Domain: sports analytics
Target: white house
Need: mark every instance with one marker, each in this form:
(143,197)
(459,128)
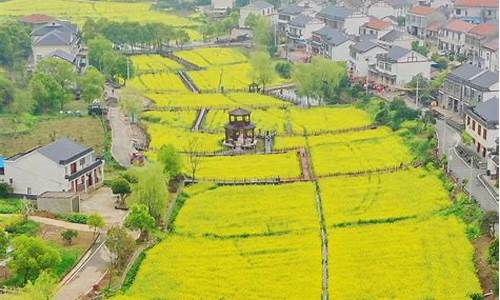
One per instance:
(61,166)
(376,27)
(452,36)
(398,66)
(488,55)
(222,4)
(353,23)
(476,38)
(60,36)
(300,30)
(335,16)
(396,38)
(467,86)
(419,17)
(476,11)
(362,55)
(287,14)
(258,8)
(331,43)
(481,123)
(386,8)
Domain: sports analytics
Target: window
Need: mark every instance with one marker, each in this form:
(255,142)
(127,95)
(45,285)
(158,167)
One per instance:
(473,125)
(73,167)
(458,11)
(479,129)
(468,120)
(28,191)
(82,161)
(11,181)
(490,12)
(484,133)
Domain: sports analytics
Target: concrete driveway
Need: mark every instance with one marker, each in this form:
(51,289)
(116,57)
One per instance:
(101,201)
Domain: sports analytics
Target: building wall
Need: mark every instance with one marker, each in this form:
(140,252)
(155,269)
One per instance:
(222,4)
(381,9)
(58,205)
(407,70)
(36,172)
(472,127)
(452,41)
(486,13)
(245,12)
(363,60)
(341,52)
(353,23)
(39,52)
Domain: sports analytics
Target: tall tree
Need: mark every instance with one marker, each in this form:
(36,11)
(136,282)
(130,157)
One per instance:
(91,84)
(262,68)
(151,190)
(171,160)
(98,46)
(96,221)
(120,244)
(43,288)
(140,219)
(7,92)
(15,45)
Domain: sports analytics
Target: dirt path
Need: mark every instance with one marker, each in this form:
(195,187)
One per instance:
(59,223)
(305,165)
(121,145)
(485,272)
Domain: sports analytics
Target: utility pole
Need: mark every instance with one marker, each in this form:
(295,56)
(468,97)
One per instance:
(416,94)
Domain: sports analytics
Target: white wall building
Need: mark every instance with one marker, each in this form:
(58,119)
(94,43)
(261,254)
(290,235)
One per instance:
(331,43)
(477,11)
(60,166)
(353,23)
(55,37)
(452,36)
(222,4)
(385,8)
(375,27)
(258,8)
(481,123)
(396,38)
(300,30)
(488,55)
(362,55)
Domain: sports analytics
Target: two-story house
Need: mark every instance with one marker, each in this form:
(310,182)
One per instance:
(475,38)
(488,55)
(61,166)
(362,55)
(287,14)
(258,8)
(466,86)
(386,8)
(476,11)
(331,43)
(398,66)
(376,27)
(300,30)
(61,36)
(335,16)
(481,123)
(221,6)
(452,36)
(396,38)
(419,17)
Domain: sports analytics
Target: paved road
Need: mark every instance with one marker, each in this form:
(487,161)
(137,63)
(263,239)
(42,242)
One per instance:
(448,138)
(121,137)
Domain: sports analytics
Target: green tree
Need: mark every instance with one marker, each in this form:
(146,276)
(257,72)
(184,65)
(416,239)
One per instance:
(424,88)
(15,46)
(43,288)
(31,256)
(121,187)
(262,68)
(120,244)
(151,190)
(263,34)
(23,103)
(68,235)
(96,221)
(284,69)
(140,219)
(7,92)
(98,46)
(422,49)
(131,103)
(4,243)
(92,84)
(171,160)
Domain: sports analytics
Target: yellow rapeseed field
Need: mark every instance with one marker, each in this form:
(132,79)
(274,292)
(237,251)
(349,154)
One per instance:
(266,267)
(258,166)
(154,64)
(411,260)
(160,82)
(359,155)
(184,118)
(381,196)
(204,57)
(161,134)
(225,211)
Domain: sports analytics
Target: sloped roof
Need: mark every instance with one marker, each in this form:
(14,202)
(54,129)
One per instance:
(301,20)
(377,24)
(492,45)
(332,36)
(364,46)
(63,150)
(62,26)
(259,5)
(239,112)
(397,52)
(336,12)
(466,71)
(421,10)
(485,80)
(292,9)
(458,25)
(477,3)
(36,19)
(484,30)
(63,55)
(53,38)
(488,110)
(391,36)
(435,26)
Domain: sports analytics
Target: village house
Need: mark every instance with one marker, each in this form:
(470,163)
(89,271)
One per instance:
(221,7)
(35,20)
(300,30)
(488,55)
(334,16)
(398,66)
(475,38)
(386,8)
(258,8)
(362,55)
(466,86)
(396,38)
(492,162)
(376,27)
(476,11)
(61,166)
(452,36)
(54,38)
(287,14)
(481,123)
(331,43)
(418,18)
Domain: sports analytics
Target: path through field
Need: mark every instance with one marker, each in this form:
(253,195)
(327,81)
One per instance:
(121,145)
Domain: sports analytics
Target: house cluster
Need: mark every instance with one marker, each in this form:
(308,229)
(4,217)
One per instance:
(57,173)
(54,38)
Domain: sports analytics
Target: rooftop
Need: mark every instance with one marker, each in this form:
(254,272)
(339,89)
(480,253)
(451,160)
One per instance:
(259,4)
(391,36)
(492,45)
(239,112)
(465,71)
(485,79)
(336,12)
(364,46)
(483,30)
(477,3)
(458,25)
(488,110)
(292,9)
(301,20)
(397,52)
(36,19)
(62,55)
(63,150)
(332,36)
(421,10)
(377,24)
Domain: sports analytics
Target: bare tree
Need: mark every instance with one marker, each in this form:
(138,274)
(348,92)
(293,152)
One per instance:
(193,159)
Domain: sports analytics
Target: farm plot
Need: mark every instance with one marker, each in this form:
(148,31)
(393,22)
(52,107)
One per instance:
(204,57)
(161,82)
(181,138)
(381,196)
(184,118)
(154,64)
(240,167)
(359,156)
(329,118)
(257,209)
(413,260)
(266,267)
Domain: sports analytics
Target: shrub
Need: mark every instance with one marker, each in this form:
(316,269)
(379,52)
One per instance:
(5,189)
(68,235)
(493,253)
(20,226)
(284,69)
(73,218)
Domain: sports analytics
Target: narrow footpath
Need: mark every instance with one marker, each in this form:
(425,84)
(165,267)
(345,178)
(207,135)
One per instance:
(121,145)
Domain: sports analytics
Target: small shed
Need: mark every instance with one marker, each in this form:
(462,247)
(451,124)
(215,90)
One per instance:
(240,131)
(58,202)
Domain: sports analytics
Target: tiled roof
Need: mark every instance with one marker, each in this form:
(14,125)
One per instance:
(391,36)
(435,26)
(364,46)
(36,19)
(484,30)
(377,24)
(53,38)
(421,10)
(396,52)
(336,12)
(63,55)
(465,71)
(332,36)
(488,110)
(300,20)
(477,3)
(458,25)
(485,79)
(259,5)
(292,9)
(63,150)
(492,45)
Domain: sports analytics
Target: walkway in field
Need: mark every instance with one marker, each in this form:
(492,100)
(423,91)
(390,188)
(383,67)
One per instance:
(121,145)
(202,113)
(305,164)
(188,82)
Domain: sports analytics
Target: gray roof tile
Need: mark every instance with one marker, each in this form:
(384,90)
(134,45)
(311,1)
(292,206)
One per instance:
(397,52)
(364,46)
(336,12)
(466,71)
(63,150)
(486,79)
(260,5)
(300,20)
(332,36)
(488,110)
(391,36)
(292,9)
